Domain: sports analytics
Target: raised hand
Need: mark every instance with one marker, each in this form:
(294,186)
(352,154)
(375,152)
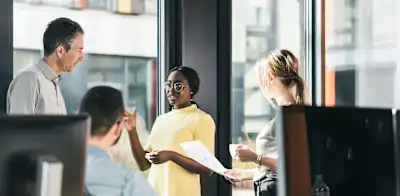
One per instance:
(130,120)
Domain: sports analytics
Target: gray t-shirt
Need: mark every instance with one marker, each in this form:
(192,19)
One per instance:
(266,145)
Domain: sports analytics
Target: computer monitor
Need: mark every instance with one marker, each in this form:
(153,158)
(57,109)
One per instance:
(42,155)
(355,149)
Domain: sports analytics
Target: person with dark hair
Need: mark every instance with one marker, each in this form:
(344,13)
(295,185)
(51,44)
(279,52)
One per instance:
(36,90)
(171,172)
(104,177)
(193,80)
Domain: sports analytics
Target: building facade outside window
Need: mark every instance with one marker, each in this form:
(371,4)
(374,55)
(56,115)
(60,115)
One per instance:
(362,47)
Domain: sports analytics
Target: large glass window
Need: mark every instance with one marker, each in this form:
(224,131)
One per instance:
(120,50)
(134,7)
(258,26)
(23,58)
(362,47)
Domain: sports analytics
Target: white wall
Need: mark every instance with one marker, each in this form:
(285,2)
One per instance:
(375,86)
(105,33)
(240,18)
(289,33)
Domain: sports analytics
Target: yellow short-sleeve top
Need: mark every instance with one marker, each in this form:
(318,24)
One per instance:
(169,131)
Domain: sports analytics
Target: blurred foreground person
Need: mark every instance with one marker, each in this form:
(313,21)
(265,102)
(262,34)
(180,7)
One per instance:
(104,177)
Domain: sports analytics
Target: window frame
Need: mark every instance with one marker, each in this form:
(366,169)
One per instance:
(315,50)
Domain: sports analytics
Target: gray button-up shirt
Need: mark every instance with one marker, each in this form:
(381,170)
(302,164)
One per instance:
(106,178)
(36,91)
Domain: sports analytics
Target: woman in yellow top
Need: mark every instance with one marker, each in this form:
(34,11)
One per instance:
(171,172)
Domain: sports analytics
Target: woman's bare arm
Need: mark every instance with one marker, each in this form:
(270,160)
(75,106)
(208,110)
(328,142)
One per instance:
(189,164)
(269,162)
(138,151)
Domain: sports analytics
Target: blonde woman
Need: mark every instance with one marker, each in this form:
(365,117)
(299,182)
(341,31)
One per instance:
(281,84)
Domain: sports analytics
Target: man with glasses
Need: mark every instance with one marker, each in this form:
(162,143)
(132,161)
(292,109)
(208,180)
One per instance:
(104,177)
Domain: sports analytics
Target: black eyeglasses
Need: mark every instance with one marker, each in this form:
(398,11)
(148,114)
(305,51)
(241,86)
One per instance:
(177,86)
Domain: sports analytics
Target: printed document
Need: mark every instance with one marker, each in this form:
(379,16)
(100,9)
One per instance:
(198,152)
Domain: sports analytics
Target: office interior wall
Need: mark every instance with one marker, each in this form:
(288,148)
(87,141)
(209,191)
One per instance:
(206,39)
(6,45)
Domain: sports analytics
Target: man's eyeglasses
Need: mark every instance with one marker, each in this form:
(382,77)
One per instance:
(177,86)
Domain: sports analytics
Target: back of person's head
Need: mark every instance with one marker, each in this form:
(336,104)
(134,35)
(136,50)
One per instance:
(283,65)
(105,106)
(60,32)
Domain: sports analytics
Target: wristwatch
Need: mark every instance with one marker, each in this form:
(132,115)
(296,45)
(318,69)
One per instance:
(259,157)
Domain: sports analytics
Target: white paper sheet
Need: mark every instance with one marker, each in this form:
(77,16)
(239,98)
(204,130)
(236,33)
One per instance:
(198,152)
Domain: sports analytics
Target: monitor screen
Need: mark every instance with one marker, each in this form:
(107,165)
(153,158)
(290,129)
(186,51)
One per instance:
(353,148)
(28,141)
